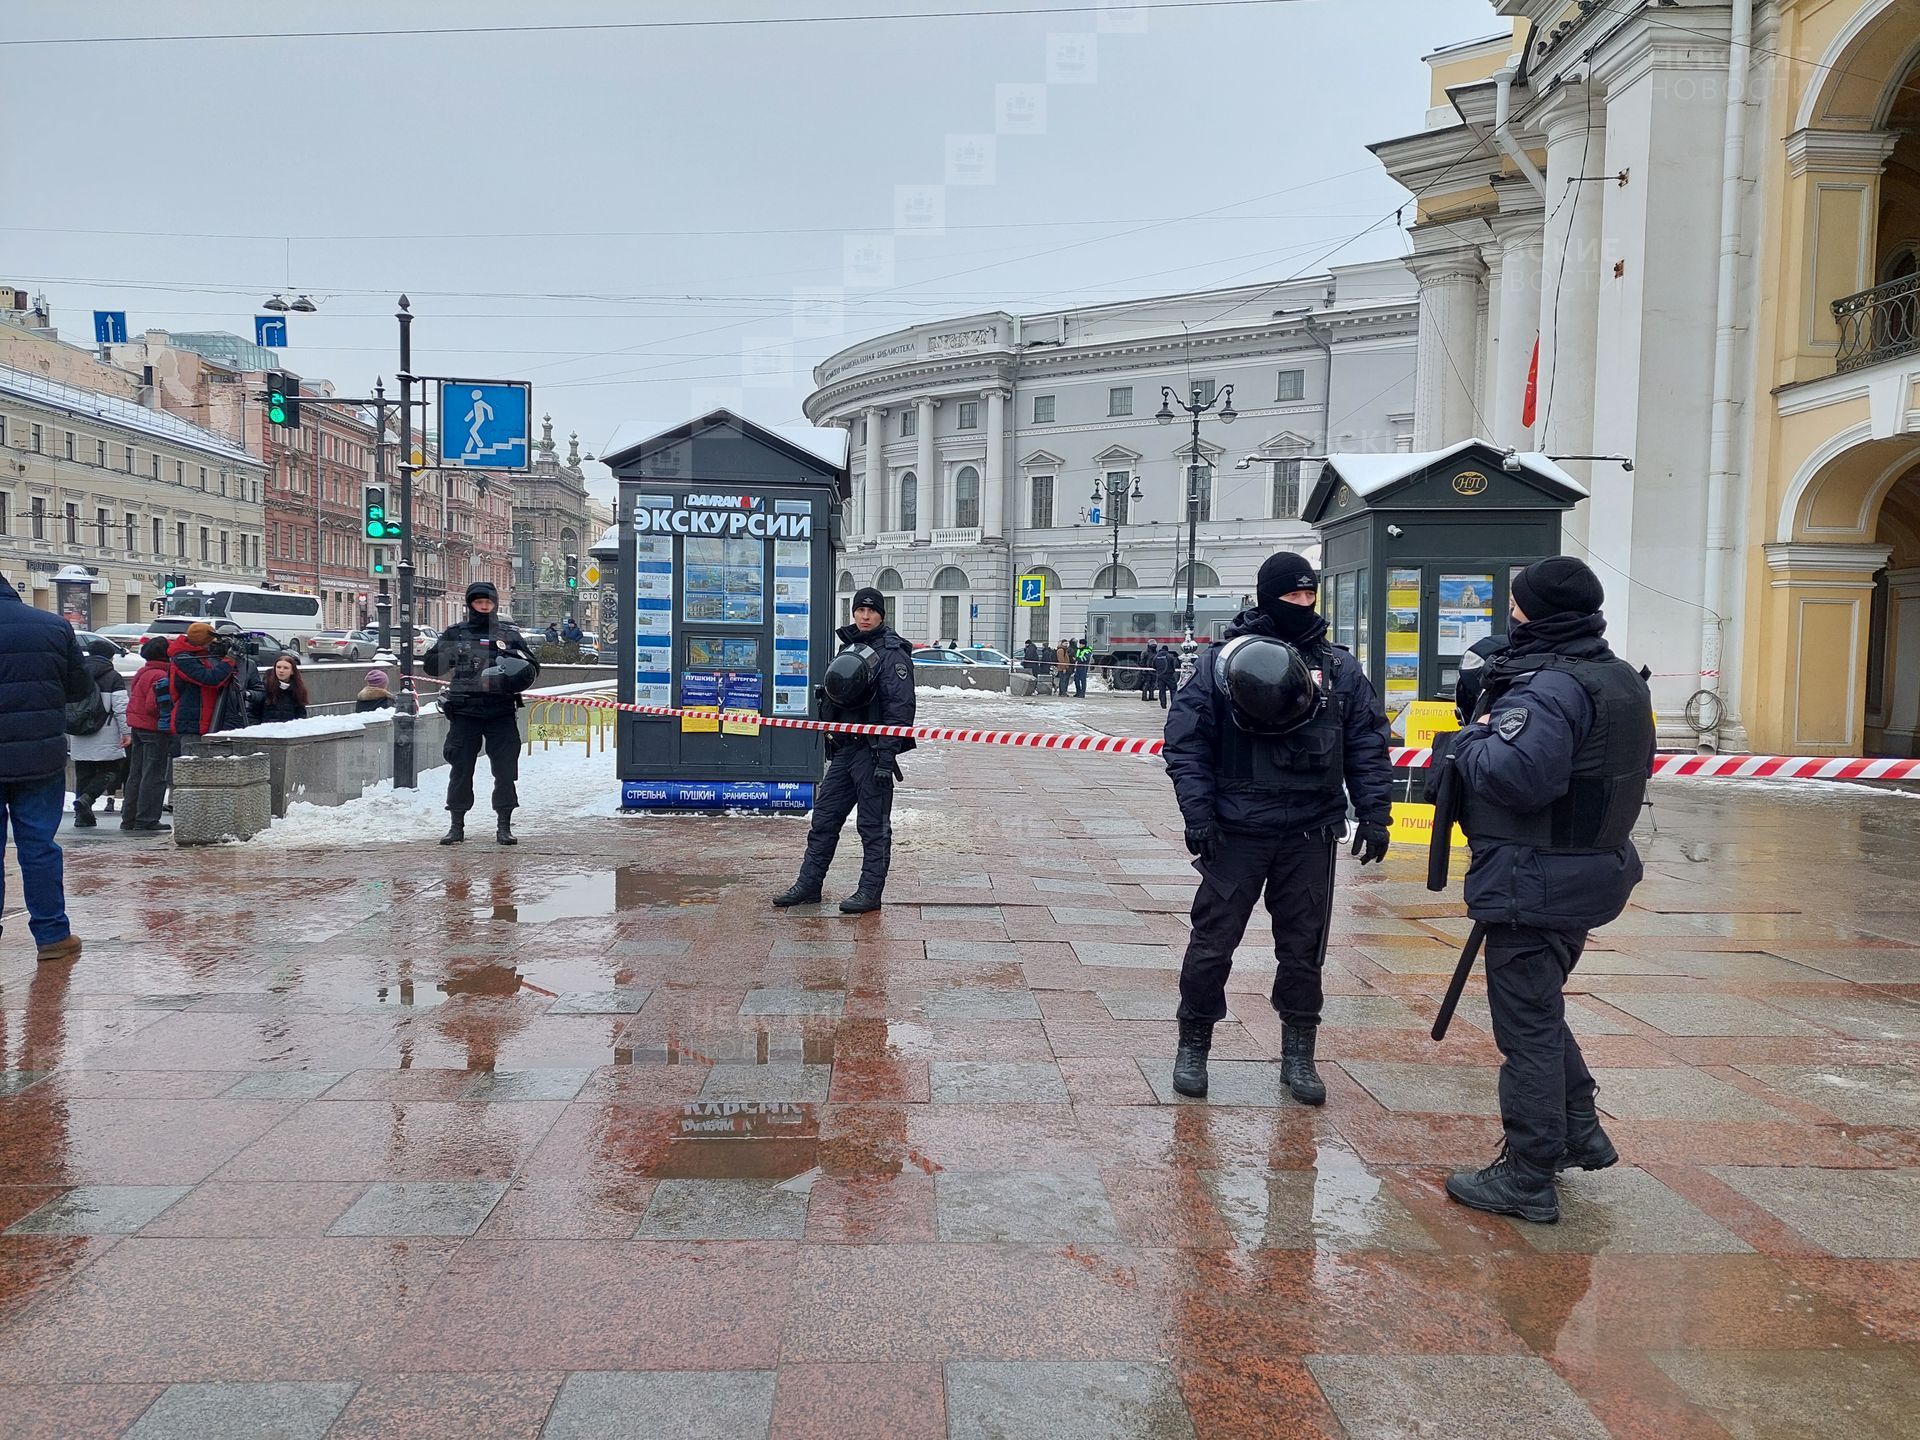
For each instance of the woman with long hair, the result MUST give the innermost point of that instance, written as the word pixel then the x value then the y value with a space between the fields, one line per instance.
pixel 285 695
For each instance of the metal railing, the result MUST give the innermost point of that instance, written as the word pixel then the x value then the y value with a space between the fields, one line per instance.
pixel 560 722
pixel 1878 324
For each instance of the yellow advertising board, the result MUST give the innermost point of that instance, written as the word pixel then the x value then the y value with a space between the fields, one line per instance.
pixel 741 722
pixel 1413 826
pixel 696 722
pixel 1427 718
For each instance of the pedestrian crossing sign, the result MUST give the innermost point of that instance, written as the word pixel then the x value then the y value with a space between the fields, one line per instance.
pixel 1033 590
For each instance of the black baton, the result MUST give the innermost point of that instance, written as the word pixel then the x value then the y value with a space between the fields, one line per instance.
pixel 1469 953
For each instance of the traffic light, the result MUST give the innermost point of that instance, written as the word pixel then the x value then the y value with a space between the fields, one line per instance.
pixel 170 583
pixel 283 399
pixel 380 562
pixel 379 524
pixel 573 572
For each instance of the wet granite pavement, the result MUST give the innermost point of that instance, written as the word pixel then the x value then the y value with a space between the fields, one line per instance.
pixel 583 1139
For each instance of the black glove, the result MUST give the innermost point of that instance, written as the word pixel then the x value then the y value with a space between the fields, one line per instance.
pixel 1370 843
pixel 1201 839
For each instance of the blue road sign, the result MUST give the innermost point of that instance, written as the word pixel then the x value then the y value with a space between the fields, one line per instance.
pixel 270 331
pixel 109 327
pixel 1093 515
pixel 973 612
pixel 1033 589
pixel 486 424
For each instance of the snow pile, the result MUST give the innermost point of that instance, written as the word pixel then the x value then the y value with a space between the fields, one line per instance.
pixel 312 725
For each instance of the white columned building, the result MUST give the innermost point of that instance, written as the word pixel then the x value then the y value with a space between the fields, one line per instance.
pixel 978 443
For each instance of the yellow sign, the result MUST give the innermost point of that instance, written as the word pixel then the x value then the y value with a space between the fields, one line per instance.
pixel 1032 590
pixel 700 722
pixel 593 574
pixel 741 722
pixel 1403 599
pixel 561 730
pixel 1413 826
pixel 1470 482
pixel 1428 718
pixel 1402 642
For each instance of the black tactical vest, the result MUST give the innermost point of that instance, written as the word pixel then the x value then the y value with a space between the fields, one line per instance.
pixel 1310 759
pixel 1609 782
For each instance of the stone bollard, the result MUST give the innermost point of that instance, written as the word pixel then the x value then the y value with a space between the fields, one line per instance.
pixel 228 797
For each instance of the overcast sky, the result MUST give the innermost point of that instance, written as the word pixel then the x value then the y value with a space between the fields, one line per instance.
pixel 650 222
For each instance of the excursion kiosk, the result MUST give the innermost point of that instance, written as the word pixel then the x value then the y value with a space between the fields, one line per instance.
pixel 1418 553
pixel 725 598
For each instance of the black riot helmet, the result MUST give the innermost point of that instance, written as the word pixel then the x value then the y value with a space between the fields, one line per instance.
pixel 507 675
pixel 1269 686
pixel 851 676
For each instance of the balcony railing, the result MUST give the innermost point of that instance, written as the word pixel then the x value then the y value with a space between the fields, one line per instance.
pixel 1878 324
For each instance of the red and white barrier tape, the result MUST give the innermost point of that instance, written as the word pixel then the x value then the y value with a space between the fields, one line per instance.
pixel 1737 767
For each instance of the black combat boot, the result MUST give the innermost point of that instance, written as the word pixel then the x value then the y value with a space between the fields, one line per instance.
pixel 1588 1147
pixel 504 831
pixel 1297 1070
pixel 83 814
pixel 862 901
pixel 801 892
pixel 1509 1186
pixel 456 828
pixel 1190 1060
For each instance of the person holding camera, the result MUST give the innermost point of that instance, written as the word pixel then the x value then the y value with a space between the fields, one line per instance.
pixel 202 673
pixel 486 664
pixel 870 682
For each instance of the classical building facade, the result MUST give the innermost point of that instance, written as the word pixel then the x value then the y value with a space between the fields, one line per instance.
pixel 1706 217
pixel 550 522
pixel 978 445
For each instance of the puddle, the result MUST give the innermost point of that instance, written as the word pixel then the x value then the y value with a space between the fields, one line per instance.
pixel 757 1047
pixel 597 893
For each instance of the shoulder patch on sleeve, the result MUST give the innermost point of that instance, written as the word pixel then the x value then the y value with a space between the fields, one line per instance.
pixel 901 672
pixel 1508 724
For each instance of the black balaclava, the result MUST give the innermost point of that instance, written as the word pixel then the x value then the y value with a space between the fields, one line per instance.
pixel 1282 574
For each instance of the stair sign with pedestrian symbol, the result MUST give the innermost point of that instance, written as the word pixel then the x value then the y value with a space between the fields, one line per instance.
pixel 485 424
pixel 1033 590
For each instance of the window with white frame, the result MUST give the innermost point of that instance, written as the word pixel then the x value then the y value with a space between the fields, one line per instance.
pixel 1117 486
pixel 909 422
pixel 1293 385
pixel 1200 489
pixel 37 440
pixel 1201 391
pixel 6 512
pixel 1043 409
pixel 126 456
pixel 73 523
pixel 1041 510
pixel 966 498
pixel 969 415
pixel 909 501
pixel 1286 489
pixel 158 531
pixel 1120 400
pixel 37 507
pixel 71 440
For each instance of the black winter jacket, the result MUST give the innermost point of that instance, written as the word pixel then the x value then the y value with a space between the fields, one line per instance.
pixel 462 652
pixel 41 670
pixel 1511 884
pixel 895 684
pixel 1193 733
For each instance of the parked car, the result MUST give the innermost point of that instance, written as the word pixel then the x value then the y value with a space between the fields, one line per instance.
pixel 589 648
pixel 357 645
pixel 987 655
pixel 125 661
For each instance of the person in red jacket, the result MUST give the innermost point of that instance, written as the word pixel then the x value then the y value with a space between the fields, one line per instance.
pixel 149 707
pixel 200 671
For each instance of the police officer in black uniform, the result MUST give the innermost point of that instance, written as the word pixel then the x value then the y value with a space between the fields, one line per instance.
pixel 870 682
pixel 1553 768
pixel 486 664
pixel 1260 742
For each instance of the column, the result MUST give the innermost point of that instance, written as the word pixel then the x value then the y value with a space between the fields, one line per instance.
pixel 873 504
pixel 923 473
pixel 1901 704
pixel 1447 350
pixel 1812 695
pixel 994 481
pixel 1575 123
pixel 1517 315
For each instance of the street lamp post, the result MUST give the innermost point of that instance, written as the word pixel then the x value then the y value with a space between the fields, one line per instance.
pixel 1196 408
pixel 1113 490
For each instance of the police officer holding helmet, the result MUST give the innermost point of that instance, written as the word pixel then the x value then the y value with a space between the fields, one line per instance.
pixel 1553 769
pixel 487 665
pixel 1276 729
pixel 870 682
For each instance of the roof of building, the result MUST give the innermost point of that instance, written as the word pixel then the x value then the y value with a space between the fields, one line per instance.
pixel 126 414
pixel 1369 474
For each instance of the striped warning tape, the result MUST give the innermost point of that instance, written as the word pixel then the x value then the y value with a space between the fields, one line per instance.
pixel 1738 767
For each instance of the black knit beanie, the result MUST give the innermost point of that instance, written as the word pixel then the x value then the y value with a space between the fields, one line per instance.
pixel 869 598
pixel 1282 574
pixel 1558 585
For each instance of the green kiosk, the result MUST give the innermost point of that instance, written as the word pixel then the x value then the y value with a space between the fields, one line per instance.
pixel 1418 551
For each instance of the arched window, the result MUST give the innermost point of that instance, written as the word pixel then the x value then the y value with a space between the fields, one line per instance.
pixel 889 584
pixel 949 585
pixel 1040 617
pixel 1114 577
pixel 846 582
pixel 909 501
pixel 966 498
pixel 1204 577
pixel 951 577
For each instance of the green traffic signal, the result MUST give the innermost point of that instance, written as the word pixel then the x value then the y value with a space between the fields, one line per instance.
pixel 276 407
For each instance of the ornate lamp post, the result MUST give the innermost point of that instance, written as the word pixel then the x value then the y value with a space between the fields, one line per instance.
pixel 1223 401
pixel 1113 490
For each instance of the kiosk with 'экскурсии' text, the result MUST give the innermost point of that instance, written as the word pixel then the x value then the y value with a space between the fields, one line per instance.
pixel 725 593
pixel 1418 553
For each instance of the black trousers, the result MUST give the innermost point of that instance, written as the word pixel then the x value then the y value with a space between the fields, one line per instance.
pixel 1079 682
pixel 1543 1069
pixel 500 734
pixel 94 778
pixel 1166 689
pixel 856 779
pixel 1296 872
pixel 149 763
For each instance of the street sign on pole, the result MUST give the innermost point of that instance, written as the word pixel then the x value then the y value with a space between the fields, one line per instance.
pixel 1033 590
pixel 270 331
pixel 109 327
pixel 486 424
pixel 592 576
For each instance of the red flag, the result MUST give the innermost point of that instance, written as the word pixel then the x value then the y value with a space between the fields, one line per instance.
pixel 1532 402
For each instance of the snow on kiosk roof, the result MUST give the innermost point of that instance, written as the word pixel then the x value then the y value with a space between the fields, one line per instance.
pixel 1372 478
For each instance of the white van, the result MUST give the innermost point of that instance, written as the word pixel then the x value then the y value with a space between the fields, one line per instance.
pixel 291 619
